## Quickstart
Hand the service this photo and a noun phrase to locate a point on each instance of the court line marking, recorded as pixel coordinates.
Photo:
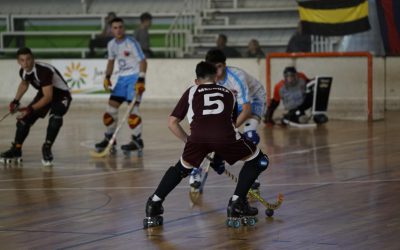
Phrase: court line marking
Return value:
(164, 169)
(188, 217)
(208, 186)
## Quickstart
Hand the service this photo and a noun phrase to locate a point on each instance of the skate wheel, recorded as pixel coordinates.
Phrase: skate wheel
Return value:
(145, 224)
(160, 221)
(229, 222)
(251, 221)
(269, 212)
(127, 153)
(140, 153)
(236, 224)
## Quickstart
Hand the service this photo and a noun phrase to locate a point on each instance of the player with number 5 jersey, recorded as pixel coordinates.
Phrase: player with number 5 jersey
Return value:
(210, 111)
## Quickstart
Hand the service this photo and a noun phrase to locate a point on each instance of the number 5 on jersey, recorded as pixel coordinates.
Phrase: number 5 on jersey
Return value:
(208, 102)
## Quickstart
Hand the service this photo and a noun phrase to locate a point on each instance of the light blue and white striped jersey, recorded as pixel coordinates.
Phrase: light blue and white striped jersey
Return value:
(243, 85)
(127, 53)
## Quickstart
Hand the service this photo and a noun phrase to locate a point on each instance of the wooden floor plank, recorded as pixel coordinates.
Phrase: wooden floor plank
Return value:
(340, 183)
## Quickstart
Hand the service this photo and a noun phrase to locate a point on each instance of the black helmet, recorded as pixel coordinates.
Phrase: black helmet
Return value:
(289, 69)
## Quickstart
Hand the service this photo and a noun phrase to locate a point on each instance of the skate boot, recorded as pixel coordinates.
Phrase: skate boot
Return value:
(135, 145)
(239, 212)
(47, 159)
(14, 153)
(195, 179)
(154, 210)
(104, 143)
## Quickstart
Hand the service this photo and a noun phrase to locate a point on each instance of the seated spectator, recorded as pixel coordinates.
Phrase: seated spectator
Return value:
(100, 41)
(299, 42)
(254, 50)
(229, 52)
(296, 96)
(142, 33)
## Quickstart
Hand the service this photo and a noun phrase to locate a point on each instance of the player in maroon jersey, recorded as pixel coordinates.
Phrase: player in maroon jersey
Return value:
(53, 95)
(209, 109)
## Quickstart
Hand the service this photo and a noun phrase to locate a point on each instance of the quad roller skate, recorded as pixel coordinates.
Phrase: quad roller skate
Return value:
(13, 154)
(195, 180)
(239, 212)
(135, 145)
(104, 143)
(154, 210)
(47, 159)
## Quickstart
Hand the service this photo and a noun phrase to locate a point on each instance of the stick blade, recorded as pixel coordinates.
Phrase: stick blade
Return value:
(100, 154)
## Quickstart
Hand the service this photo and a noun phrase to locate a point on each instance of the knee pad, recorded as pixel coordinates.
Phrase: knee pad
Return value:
(261, 162)
(55, 121)
(252, 136)
(134, 121)
(250, 124)
(181, 170)
(23, 125)
(110, 116)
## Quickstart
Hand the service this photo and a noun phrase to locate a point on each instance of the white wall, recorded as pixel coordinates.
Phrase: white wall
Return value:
(392, 89)
(167, 79)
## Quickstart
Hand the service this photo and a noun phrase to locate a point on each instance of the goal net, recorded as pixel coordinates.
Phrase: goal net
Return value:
(357, 91)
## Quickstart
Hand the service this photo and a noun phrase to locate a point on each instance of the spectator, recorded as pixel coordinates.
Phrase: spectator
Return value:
(101, 41)
(142, 33)
(254, 50)
(299, 42)
(229, 52)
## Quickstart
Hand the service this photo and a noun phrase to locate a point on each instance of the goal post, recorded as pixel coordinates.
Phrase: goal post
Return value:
(356, 66)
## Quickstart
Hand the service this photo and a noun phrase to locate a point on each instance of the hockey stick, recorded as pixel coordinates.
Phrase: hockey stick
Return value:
(270, 206)
(5, 116)
(107, 150)
(203, 182)
(194, 194)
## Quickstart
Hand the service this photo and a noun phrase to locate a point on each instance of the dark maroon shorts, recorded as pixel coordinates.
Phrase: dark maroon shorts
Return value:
(194, 152)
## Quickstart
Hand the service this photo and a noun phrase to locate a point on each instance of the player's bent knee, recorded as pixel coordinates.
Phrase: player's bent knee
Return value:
(134, 121)
(252, 136)
(55, 121)
(110, 115)
(182, 171)
(261, 162)
(22, 125)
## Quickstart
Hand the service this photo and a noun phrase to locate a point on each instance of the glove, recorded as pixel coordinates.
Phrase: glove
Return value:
(13, 107)
(25, 112)
(107, 84)
(139, 86)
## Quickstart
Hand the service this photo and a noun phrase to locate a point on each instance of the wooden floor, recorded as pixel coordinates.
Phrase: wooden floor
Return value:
(341, 184)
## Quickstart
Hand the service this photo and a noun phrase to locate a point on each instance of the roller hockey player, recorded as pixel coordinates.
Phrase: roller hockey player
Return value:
(53, 95)
(298, 94)
(131, 82)
(209, 109)
(250, 97)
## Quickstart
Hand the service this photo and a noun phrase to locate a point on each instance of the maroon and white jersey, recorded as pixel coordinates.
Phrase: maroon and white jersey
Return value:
(44, 74)
(209, 109)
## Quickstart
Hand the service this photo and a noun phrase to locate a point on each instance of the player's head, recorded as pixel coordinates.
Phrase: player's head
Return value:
(218, 58)
(117, 28)
(145, 19)
(222, 40)
(205, 72)
(25, 58)
(110, 16)
(290, 75)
